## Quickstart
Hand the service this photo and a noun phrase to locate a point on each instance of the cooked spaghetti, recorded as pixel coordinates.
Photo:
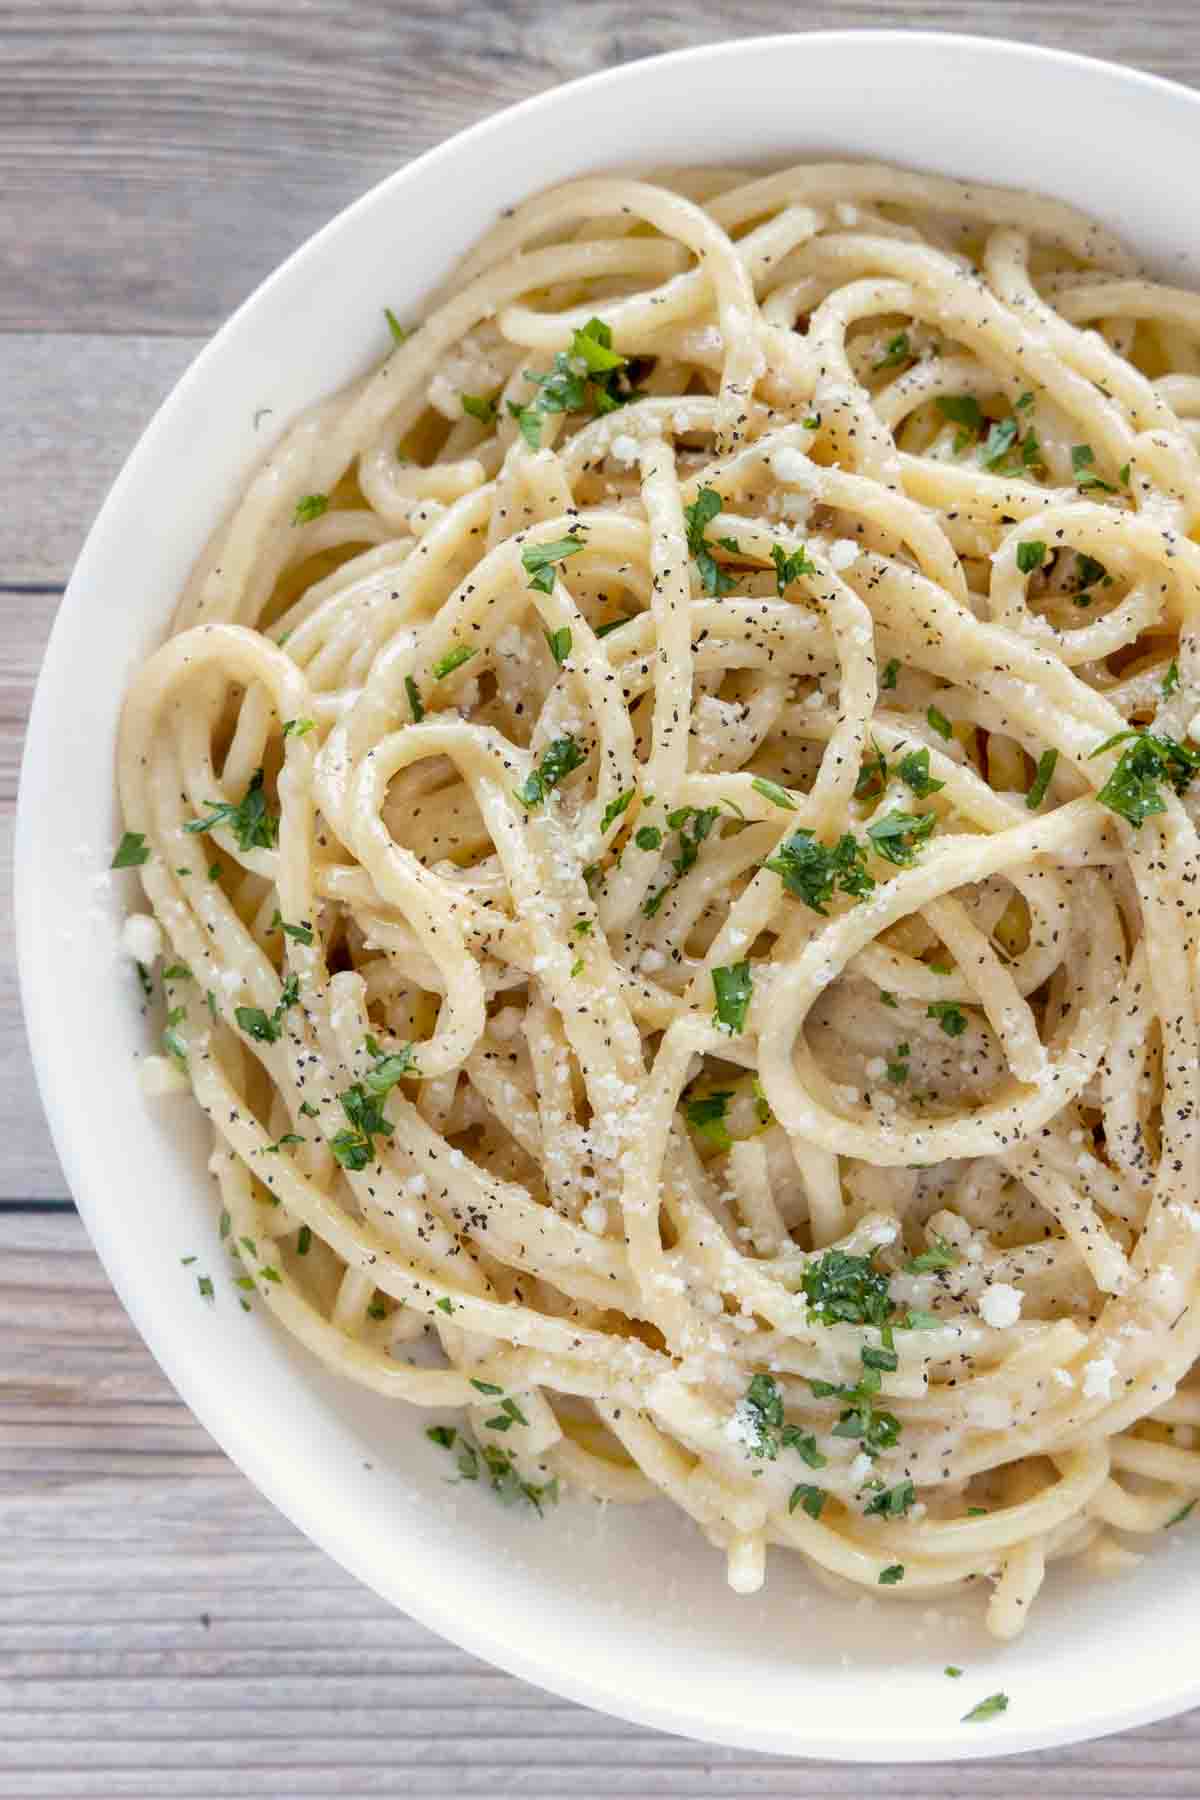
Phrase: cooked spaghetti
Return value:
(670, 801)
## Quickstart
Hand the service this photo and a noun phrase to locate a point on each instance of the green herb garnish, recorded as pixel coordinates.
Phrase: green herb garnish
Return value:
(898, 351)
(914, 772)
(615, 808)
(897, 836)
(812, 871)
(845, 1289)
(951, 1018)
(310, 507)
(252, 822)
(560, 644)
(561, 757)
(475, 406)
(706, 1117)
(698, 517)
(453, 659)
(987, 1709)
(1041, 781)
(539, 560)
(789, 566)
(733, 987)
(771, 790)
(131, 852)
(1132, 788)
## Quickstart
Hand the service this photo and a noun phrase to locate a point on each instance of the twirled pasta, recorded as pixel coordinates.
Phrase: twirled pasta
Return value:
(669, 965)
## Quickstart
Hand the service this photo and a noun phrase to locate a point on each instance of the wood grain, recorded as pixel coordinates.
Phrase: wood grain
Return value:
(163, 1631)
(125, 128)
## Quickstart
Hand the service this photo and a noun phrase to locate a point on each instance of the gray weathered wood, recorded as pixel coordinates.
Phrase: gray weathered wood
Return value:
(126, 128)
(163, 1631)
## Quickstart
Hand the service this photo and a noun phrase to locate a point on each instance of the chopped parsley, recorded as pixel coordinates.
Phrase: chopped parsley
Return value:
(475, 406)
(706, 1117)
(309, 508)
(771, 790)
(891, 1575)
(1082, 460)
(812, 871)
(362, 1105)
(811, 1498)
(590, 363)
(890, 671)
(1180, 1516)
(872, 778)
(1041, 781)
(897, 1068)
(987, 1709)
(1030, 556)
(893, 1502)
(131, 851)
(1170, 681)
(560, 644)
(939, 722)
(252, 822)
(561, 758)
(1132, 788)
(510, 1414)
(387, 1070)
(416, 705)
(899, 350)
(399, 334)
(940, 1255)
(529, 423)
(647, 837)
(964, 411)
(266, 1028)
(914, 772)
(951, 1018)
(503, 1477)
(539, 560)
(762, 1411)
(204, 1284)
(1002, 434)
(298, 727)
(842, 1289)
(615, 808)
(453, 659)
(304, 1241)
(789, 566)
(952, 1670)
(733, 987)
(697, 518)
(897, 836)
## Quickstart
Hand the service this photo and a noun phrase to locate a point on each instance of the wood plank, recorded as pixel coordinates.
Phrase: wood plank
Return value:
(74, 407)
(126, 128)
(165, 1633)
(28, 1164)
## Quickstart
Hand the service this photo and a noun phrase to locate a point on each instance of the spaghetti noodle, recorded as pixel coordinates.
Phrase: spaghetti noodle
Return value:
(670, 801)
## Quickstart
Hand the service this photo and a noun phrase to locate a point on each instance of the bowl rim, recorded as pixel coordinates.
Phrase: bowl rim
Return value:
(514, 1654)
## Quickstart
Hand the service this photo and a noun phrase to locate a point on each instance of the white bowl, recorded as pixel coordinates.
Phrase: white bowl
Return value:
(624, 1609)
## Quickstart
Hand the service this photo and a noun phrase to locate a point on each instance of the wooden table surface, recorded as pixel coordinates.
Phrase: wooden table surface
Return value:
(163, 1632)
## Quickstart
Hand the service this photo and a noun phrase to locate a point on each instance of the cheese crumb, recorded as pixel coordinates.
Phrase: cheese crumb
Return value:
(142, 938)
(624, 449)
(793, 467)
(1098, 1378)
(1000, 1305)
(843, 553)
